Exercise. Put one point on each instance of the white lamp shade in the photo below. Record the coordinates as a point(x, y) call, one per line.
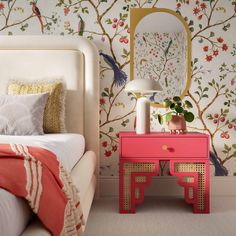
point(144, 86)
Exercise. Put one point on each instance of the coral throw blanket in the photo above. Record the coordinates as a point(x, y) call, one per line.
point(35, 174)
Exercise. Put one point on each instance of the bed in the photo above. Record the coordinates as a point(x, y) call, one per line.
point(76, 61)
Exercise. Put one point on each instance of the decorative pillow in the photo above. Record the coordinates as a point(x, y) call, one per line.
point(22, 114)
point(54, 115)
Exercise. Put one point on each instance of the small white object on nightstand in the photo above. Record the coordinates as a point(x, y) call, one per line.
point(144, 87)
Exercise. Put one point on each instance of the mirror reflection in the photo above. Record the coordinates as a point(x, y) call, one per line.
point(160, 52)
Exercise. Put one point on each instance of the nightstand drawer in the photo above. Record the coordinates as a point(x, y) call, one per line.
point(164, 147)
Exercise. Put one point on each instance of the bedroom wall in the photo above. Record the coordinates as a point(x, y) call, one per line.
point(106, 22)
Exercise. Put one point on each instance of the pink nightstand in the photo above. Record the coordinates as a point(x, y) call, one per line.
point(188, 155)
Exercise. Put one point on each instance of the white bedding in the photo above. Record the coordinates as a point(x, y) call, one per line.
point(69, 148)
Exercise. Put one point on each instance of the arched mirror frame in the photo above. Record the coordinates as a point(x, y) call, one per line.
point(136, 15)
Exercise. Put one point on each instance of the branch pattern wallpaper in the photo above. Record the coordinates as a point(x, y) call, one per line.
point(162, 57)
point(106, 22)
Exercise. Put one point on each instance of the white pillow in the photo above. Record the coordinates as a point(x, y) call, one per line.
point(22, 114)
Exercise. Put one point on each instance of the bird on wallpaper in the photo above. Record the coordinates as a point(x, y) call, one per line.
point(81, 25)
point(120, 77)
point(152, 98)
point(219, 169)
point(38, 14)
point(168, 47)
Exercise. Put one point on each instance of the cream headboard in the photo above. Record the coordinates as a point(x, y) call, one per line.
point(74, 59)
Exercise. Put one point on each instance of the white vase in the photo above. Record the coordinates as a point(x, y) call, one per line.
point(143, 116)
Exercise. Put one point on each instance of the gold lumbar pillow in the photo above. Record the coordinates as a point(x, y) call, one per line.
point(54, 114)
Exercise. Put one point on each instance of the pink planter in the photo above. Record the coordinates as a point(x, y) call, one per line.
point(177, 124)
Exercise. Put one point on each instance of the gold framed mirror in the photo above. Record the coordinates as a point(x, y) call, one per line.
point(160, 49)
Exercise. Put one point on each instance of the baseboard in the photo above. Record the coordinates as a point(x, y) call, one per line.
point(167, 186)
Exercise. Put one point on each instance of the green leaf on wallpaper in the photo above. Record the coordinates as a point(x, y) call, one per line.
point(103, 0)
point(200, 26)
point(212, 34)
point(234, 146)
point(227, 148)
point(209, 117)
point(111, 129)
point(226, 27)
point(108, 21)
point(190, 23)
point(197, 93)
point(60, 2)
point(160, 119)
point(200, 40)
point(125, 122)
point(226, 111)
point(188, 104)
point(106, 90)
point(85, 10)
point(191, 29)
point(70, 1)
point(104, 94)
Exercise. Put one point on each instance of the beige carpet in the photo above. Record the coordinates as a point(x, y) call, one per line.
point(162, 217)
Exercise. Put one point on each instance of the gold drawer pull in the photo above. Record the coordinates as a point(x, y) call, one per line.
point(164, 147)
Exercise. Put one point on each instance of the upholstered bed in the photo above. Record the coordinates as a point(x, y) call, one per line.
point(76, 62)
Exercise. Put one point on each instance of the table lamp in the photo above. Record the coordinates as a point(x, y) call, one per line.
point(144, 87)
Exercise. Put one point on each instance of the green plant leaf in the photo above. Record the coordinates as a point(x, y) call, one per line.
point(166, 103)
point(176, 99)
point(189, 116)
point(172, 106)
point(179, 109)
point(168, 117)
point(160, 119)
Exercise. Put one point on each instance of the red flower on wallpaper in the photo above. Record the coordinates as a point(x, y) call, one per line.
point(216, 52)
point(1, 6)
point(220, 40)
point(225, 135)
point(102, 101)
point(200, 17)
point(104, 144)
point(196, 11)
point(114, 148)
point(203, 6)
point(224, 47)
point(178, 5)
point(209, 57)
point(107, 153)
point(205, 49)
point(66, 11)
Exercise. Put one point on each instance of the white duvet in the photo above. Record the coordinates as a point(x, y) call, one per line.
point(14, 212)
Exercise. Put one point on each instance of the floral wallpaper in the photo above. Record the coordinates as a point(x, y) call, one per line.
point(106, 22)
point(162, 57)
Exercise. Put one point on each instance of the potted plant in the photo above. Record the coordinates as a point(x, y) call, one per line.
point(178, 114)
